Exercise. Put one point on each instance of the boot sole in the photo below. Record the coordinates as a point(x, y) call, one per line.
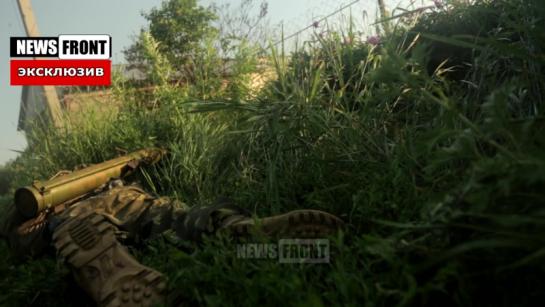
point(89, 245)
point(295, 224)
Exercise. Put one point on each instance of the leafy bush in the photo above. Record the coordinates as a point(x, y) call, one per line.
point(438, 176)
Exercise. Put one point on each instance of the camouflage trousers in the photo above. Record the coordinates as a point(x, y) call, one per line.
point(136, 215)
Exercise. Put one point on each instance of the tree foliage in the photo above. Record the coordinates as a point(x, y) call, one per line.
point(179, 26)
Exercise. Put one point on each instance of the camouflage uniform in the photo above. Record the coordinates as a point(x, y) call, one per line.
point(135, 214)
point(87, 234)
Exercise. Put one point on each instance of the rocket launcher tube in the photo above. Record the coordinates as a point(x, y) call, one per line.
point(33, 199)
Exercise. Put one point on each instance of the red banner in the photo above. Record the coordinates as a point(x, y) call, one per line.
point(60, 72)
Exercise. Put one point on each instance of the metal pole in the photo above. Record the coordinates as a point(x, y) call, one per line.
point(31, 28)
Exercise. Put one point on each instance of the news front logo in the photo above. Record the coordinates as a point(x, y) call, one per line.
point(62, 60)
point(287, 251)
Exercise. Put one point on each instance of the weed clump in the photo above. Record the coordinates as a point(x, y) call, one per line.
point(427, 145)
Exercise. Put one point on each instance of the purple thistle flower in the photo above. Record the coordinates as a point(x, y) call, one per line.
point(373, 40)
point(316, 24)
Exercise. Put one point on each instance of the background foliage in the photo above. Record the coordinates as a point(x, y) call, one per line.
point(427, 144)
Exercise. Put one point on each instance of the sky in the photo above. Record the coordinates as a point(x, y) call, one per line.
point(122, 19)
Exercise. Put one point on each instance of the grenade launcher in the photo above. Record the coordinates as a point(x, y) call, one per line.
point(31, 200)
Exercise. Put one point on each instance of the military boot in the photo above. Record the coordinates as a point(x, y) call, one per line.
point(294, 224)
point(103, 267)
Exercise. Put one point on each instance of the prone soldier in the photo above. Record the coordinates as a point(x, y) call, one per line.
point(84, 215)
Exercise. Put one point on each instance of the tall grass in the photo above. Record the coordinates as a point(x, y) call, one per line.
point(428, 145)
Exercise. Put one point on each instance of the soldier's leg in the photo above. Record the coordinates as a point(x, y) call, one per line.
point(86, 239)
point(144, 216)
point(135, 213)
point(103, 267)
point(228, 218)
point(107, 271)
